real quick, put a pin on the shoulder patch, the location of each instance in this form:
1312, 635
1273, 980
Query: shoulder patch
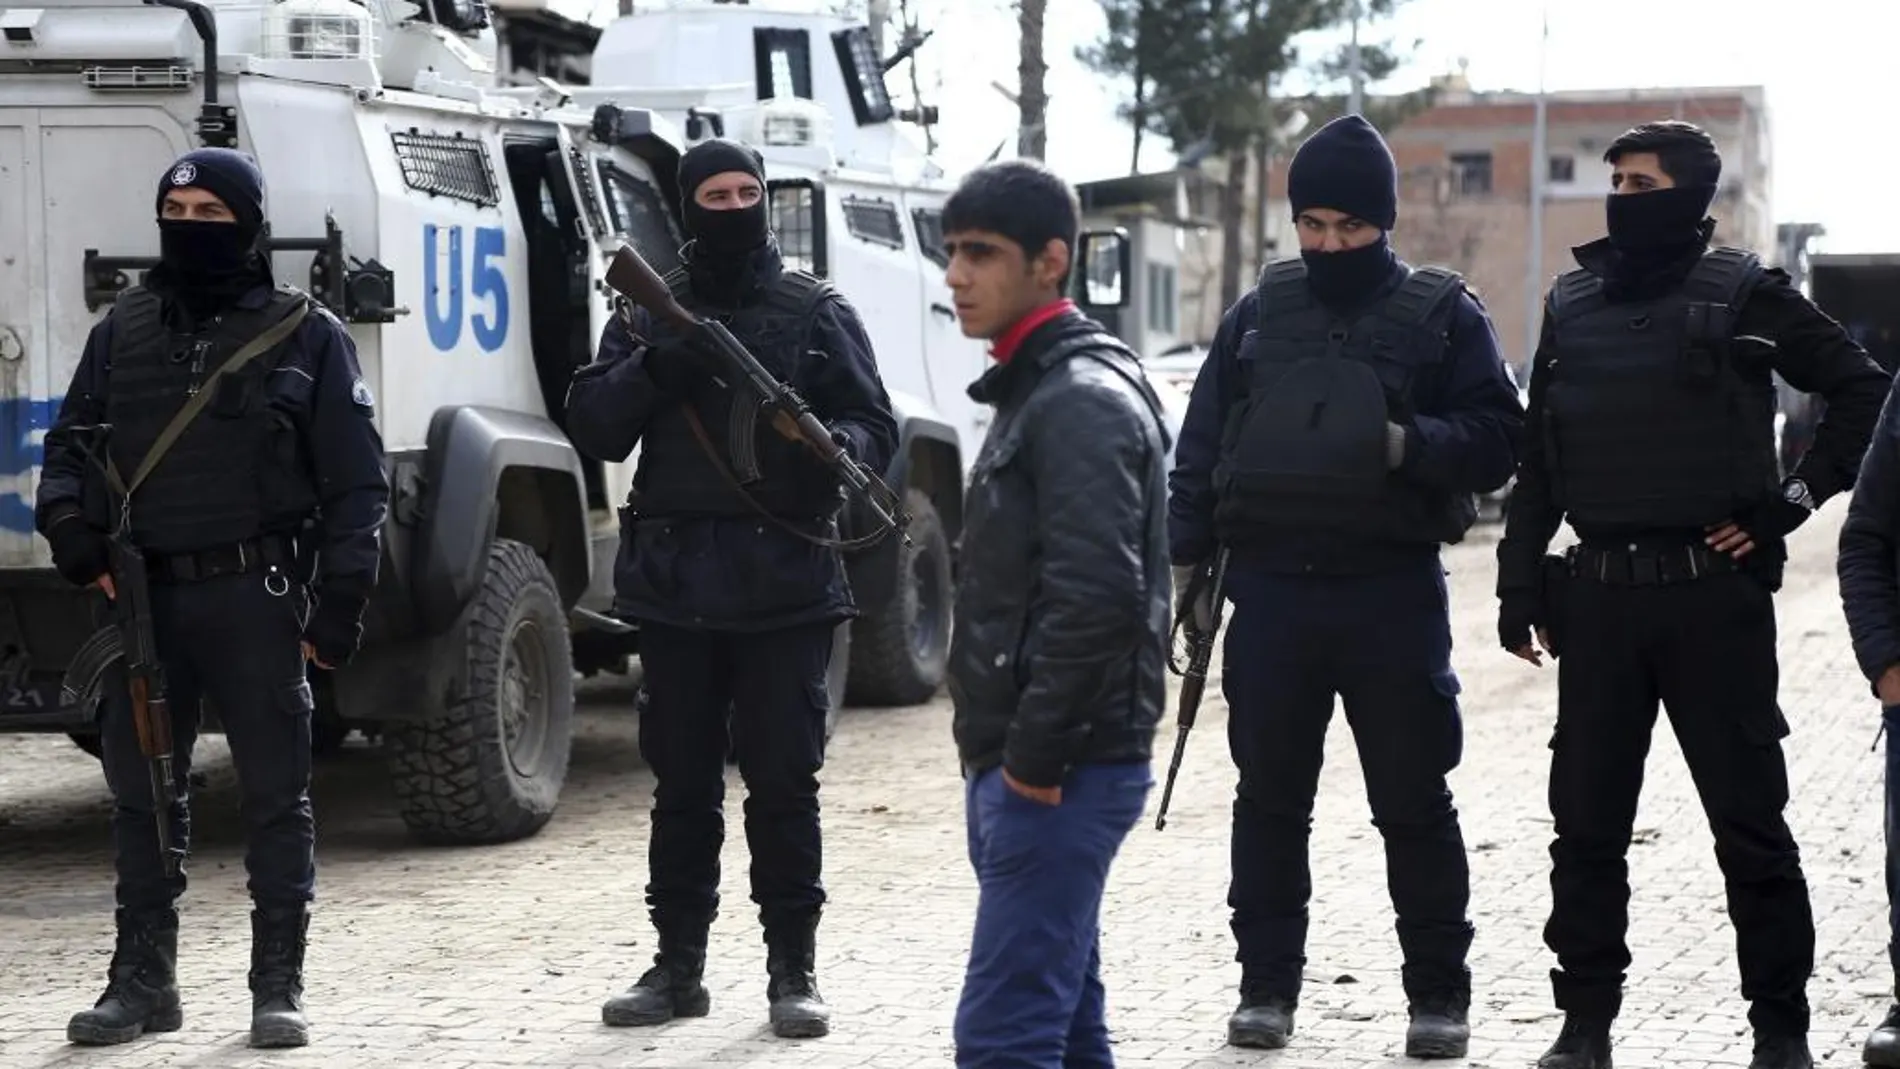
359, 393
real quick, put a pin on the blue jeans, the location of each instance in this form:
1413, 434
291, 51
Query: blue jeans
1032, 995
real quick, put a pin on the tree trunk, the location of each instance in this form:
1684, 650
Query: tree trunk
1033, 138
1143, 29
1233, 218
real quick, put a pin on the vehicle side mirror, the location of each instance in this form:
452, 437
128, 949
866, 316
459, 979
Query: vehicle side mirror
1106, 264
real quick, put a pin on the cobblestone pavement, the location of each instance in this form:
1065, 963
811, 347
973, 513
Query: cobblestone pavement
500, 956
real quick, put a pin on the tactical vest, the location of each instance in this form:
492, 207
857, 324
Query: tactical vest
1648, 420
222, 481
676, 477
1304, 450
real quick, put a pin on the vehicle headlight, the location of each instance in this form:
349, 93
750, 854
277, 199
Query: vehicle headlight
324, 37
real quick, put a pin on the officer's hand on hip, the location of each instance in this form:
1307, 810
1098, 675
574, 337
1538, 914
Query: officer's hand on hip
1044, 795
310, 654
104, 583
1771, 521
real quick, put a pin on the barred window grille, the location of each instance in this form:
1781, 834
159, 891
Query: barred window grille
874, 220
639, 214
446, 165
929, 225
793, 213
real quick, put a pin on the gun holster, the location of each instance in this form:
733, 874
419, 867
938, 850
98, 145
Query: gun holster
1555, 579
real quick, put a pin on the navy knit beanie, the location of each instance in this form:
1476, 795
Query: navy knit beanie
1347, 167
231, 175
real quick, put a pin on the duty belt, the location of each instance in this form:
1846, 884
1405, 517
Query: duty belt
250, 555
1636, 566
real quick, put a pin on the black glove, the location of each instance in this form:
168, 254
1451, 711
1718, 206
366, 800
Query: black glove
79, 549
1193, 604
335, 630
674, 367
1773, 520
845, 441
1520, 610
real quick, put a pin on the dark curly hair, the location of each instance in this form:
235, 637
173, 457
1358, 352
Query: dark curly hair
1022, 200
1684, 150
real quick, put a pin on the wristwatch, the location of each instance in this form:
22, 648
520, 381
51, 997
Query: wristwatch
1796, 491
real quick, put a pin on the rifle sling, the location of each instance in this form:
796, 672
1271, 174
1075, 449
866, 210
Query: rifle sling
712, 454
194, 404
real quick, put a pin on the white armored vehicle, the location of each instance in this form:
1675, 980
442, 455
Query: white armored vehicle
462, 230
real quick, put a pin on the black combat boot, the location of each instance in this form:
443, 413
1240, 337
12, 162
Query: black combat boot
1883, 1043
798, 1011
1262, 1021
1584, 1043
672, 988
1440, 1027
1777, 1051
278, 939
141, 983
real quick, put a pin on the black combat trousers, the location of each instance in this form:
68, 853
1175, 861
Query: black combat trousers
1382, 643
232, 641
1704, 648
773, 684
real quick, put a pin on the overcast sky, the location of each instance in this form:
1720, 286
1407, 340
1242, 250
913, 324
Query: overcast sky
1830, 68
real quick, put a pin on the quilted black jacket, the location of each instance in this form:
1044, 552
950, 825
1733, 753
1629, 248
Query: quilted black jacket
1869, 561
1062, 602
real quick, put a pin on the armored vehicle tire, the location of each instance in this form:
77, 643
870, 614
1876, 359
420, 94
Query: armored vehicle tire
492, 769
88, 743
898, 655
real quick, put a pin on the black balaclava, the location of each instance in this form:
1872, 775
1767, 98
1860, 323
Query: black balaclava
1655, 230
723, 241
213, 264
1347, 167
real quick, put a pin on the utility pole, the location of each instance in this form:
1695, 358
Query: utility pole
1540, 168
878, 15
1356, 67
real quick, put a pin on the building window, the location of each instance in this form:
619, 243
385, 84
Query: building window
1471, 174
1161, 298
1562, 169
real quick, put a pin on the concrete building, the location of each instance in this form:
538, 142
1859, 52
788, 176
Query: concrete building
1466, 190
1152, 209
533, 40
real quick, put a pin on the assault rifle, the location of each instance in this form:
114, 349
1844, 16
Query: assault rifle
632, 277
1194, 676
129, 638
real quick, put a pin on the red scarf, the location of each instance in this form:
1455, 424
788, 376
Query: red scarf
1005, 347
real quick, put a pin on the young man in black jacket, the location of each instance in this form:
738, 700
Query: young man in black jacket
1869, 566
1057, 666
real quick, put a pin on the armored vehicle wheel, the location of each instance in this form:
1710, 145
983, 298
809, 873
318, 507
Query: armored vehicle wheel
492, 769
88, 743
898, 655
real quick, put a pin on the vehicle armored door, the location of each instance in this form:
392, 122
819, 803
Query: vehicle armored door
954, 360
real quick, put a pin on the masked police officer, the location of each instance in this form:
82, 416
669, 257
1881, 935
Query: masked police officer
1651, 430
282, 462
1350, 409
728, 562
